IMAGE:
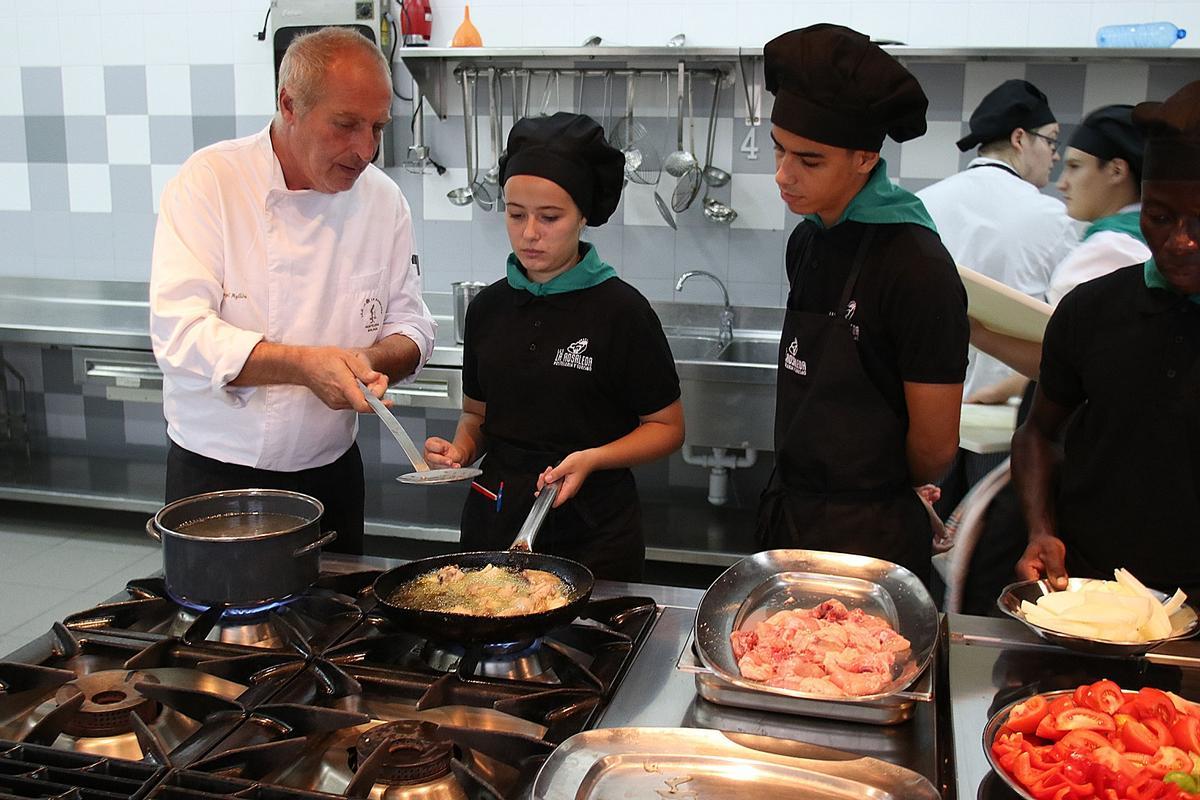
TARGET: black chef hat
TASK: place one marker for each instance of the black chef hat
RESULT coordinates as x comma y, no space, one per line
833,86
1108,133
1172,130
1011,105
569,149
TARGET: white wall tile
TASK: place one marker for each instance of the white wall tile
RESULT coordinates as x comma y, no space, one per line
933,155
210,37
89,188
640,208
1114,83
253,89
83,90
756,198
247,49
79,40
159,175
166,38
14,187
169,89
938,24
38,41
758,23
983,76
609,21
10,51
882,19
548,26
998,25
123,39
434,205
12,103
1062,25
128,139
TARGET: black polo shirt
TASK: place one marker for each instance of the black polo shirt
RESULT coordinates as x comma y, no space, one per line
909,307
566,371
1128,358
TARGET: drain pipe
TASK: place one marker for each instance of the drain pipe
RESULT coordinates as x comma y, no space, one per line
719,462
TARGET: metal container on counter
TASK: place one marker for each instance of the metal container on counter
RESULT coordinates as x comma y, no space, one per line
241,547
464,292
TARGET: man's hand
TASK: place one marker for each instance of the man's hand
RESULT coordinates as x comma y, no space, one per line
440,454
1045,555
330,373
572,471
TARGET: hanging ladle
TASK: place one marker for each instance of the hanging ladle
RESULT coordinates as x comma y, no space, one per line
423,476
714,176
464,196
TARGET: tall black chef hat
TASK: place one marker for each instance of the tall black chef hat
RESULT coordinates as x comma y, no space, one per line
1108,133
1172,130
833,86
569,149
1011,105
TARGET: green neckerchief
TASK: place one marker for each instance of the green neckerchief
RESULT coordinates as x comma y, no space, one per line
1155,280
590,271
1128,223
882,202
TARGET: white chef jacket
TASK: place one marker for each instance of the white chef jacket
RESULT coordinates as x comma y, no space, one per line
1099,254
238,259
995,222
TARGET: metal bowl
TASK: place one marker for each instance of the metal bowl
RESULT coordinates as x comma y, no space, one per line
1184,621
993,727
774,580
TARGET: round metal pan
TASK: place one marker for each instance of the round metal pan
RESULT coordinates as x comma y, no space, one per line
993,728
473,629
774,580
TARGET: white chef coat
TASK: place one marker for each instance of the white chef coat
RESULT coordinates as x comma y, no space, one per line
995,222
1099,254
238,259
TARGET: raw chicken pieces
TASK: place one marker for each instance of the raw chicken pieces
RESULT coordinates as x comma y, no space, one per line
827,650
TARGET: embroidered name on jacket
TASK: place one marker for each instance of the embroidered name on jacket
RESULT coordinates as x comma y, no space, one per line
572,356
796,365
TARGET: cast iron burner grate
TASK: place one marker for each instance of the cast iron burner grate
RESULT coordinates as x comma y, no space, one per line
28,770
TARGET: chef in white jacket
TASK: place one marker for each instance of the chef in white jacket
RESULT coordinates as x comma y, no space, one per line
283,270
992,217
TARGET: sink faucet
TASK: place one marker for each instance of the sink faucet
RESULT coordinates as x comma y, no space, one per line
725,333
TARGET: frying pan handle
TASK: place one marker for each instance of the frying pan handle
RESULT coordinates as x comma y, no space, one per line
537,515
152,530
318,544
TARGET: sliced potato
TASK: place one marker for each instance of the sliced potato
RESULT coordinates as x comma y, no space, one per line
1059,602
1175,603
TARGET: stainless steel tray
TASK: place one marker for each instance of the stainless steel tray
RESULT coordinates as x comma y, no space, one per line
1184,622
691,764
774,580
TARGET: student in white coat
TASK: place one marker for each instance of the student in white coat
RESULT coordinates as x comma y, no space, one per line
282,272
992,216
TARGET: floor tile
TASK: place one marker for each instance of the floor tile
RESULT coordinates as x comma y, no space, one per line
72,565
20,603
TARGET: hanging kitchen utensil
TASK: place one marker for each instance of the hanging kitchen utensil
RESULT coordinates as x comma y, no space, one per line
717,211
423,475
714,176
688,186
484,194
465,195
663,209
491,177
628,133
680,161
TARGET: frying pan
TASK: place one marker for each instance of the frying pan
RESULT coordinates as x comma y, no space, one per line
447,626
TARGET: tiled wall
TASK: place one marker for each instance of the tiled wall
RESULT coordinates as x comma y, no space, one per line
100,106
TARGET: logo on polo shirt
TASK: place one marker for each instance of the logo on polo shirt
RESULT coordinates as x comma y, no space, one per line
796,365
572,356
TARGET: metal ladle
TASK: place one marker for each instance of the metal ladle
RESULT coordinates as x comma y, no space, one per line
485,195
423,476
678,163
465,195
714,176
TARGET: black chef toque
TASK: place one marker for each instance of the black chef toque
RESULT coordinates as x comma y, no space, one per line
1108,133
1172,130
570,150
1011,105
832,85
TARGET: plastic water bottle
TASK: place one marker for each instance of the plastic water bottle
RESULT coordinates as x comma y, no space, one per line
1143,34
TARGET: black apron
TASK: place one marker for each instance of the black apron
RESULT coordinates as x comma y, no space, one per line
601,526
841,480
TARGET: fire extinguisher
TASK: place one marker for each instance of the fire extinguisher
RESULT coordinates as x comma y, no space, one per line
416,22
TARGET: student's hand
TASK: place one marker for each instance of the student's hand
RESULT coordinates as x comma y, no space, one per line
441,454
1045,555
571,472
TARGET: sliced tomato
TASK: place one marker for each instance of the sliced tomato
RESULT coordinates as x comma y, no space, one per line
1080,695
1186,732
1169,759
1084,719
1154,703
1161,732
1024,717
1106,696
1138,737
1047,730
1061,704
1083,741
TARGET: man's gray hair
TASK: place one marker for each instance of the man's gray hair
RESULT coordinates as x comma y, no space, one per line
302,71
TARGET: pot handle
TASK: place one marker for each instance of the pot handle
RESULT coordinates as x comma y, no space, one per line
152,530
317,545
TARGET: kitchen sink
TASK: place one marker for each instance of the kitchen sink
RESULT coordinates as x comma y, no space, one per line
751,351
763,352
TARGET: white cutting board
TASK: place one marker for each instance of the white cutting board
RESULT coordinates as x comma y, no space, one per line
1003,309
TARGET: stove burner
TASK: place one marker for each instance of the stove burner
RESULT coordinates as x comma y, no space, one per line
416,752
522,660
108,700
235,612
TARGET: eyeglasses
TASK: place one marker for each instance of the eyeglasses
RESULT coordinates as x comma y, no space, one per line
1048,139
